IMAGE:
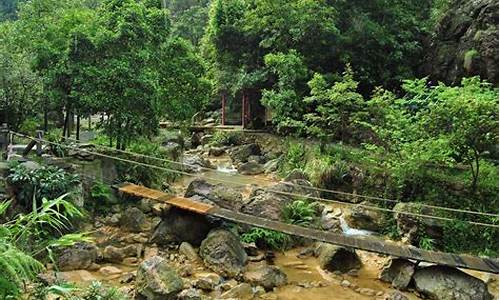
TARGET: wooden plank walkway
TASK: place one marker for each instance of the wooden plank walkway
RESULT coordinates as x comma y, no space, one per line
370,244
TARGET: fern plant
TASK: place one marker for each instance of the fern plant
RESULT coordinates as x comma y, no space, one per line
299,212
32,235
268,238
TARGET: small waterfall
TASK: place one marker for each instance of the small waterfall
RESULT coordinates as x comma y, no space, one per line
227,168
352,231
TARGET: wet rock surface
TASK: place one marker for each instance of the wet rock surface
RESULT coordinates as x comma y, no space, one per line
219,194
133,220
240,154
336,258
80,256
157,280
251,168
268,202
445,283
181,226
398,272
266,276
193,163
361,217
465,43
223,253
409,225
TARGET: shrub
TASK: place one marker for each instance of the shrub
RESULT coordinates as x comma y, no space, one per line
266,238
44,182
55,136
148,176
294,158
225,138
101,196
29,126
299,212
97,291
460,237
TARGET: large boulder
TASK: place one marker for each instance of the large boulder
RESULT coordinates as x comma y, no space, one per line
464,43
410,226
157,280
199,187
188,251
242,291
265,276
77,257
194,163
173,137
240,154
361,217
446,283
251,168
179,226
398,272
173,150
223,253
336,258
216,151
269,202
219,194
117,254
133,220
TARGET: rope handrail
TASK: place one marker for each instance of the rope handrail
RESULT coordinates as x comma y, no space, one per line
269,190
457,210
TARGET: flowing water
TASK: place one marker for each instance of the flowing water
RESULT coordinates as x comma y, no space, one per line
306,279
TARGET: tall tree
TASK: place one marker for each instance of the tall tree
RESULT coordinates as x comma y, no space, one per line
20,87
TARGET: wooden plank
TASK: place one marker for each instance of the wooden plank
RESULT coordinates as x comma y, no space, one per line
370,244
183,203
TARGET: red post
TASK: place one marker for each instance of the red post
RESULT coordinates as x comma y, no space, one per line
244,111
223,116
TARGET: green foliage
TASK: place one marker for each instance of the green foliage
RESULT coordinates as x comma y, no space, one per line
336,109
294,158
267,238
189,19
101,197
55,136
474,127
100,192
39,183
147,176
462,237
299,212
468,57
285,103
96,291
30,235
226,138
8,9
29,126
20,87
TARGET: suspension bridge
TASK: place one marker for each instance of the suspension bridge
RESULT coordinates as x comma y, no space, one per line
365,243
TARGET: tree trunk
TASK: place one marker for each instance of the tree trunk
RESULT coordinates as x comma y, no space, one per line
66,123
78,127
45,120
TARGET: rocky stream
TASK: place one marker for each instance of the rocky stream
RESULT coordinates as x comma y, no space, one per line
152,251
